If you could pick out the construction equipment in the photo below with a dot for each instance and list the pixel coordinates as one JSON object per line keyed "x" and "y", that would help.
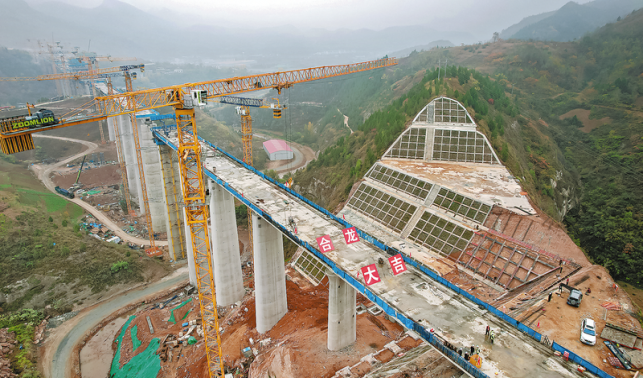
{"x": 75, "y": 185}
{"x": 243, "y": 109}
{"x": 184, "y": 98}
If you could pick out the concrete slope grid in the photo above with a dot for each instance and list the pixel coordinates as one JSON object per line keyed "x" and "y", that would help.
{"x": 43, "y": 175}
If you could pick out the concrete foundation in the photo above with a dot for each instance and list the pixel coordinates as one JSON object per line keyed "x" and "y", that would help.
{"x": 153, "y": 178}
{"x": 226, "y": 259}
{"x": 173, "y": 198}
{"x": 342, "y": 321}
{"x": 270, "y": 274}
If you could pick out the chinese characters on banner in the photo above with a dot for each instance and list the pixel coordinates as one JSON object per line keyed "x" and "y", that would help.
{"x": 325, "y": 244}
{"x": 370, "y": 274}
{"x": 350, "y": 235}
{"x": 397, "y": 264}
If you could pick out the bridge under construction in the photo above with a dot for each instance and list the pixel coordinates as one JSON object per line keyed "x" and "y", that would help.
{"x": 189, "y": 187}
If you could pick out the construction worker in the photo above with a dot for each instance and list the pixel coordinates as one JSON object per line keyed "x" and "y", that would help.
{"x": 549, "y": 300}
{"x": 491, "y": 336}
{"x": 478, "y": 350}
{"x": 473, "y": 350}
{"x": 486, "y": 333}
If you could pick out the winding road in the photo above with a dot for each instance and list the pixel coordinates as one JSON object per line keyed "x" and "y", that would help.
{"x": 44, "y": 172}
{"x": 59, "y": 345}
{"x": 61, "y": 342}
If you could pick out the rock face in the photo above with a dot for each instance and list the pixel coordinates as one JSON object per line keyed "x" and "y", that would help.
{"x": 7, "y": 343}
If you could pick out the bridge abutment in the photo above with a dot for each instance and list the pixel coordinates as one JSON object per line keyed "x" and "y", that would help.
{"x": 226, "y": 259}
{"x": 342, "y": 313}
{"x": 270, "y": 274}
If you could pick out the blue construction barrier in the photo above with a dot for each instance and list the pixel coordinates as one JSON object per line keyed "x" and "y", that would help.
{"x": 408, "y": 323}
{"x": 580, "y": 361}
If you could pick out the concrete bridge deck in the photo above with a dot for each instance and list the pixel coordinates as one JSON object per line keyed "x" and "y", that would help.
{"x": 412, "y": 293}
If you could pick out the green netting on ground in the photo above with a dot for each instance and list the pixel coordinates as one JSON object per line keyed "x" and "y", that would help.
{"x": 172, "y": 319}
{"x": 92, "y": 192}
{"x": 135, "y": 341}
{"x": 146, "y": 364}
{"x": 186, "y": 314}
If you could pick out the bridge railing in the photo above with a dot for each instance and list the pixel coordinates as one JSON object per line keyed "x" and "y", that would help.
{"x": 391, "y": 311}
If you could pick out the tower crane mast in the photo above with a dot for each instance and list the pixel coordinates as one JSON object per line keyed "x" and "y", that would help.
{"x": 184, "y": 98}
{"x": 243, "y": 109}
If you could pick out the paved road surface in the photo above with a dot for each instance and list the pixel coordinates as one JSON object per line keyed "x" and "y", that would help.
{"x": 44, "y": 173}
{"x": 75, "y": 329}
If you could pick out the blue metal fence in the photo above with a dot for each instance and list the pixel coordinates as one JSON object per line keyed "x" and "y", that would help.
{"x": 391, "y": 311}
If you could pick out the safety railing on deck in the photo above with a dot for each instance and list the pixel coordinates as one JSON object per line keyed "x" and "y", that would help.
{"x": 391, "y": 311}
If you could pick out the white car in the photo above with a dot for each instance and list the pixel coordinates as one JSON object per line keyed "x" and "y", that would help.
{"x": 588, "y": 332}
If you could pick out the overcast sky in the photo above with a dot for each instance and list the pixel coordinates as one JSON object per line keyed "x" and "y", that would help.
{"x": 480, "y": 18}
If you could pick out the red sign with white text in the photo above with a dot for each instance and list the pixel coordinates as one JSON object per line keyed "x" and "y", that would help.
{"x": 350, "y": 235}
{"x": 397, "y": 264}
{"x": 325, "y": 244}
{"x": 370, "y": 274}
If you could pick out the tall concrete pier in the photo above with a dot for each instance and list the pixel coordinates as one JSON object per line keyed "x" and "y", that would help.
{"x": 153, "y": 178}
{"x": 173, "y": 198}
{"x": 226, "y": 259}
{"x": 270, "y": 274}
{"x": 131, "y": 164}
{"x": 342, "y": 321}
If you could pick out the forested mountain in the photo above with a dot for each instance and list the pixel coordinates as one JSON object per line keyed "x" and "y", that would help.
{"x": 566, "y": 119}
{"x": 572, "y": 21}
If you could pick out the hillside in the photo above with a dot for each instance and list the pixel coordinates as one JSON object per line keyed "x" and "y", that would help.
{"x": 46, "y": 257}
{"x": 571, "y": 21}
{"x": 587, "y": 175}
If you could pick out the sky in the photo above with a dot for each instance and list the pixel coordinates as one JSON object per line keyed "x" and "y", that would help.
{"x": 480, "y": 18}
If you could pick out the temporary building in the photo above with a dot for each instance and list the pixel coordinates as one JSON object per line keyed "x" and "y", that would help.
{"x": 278, "y": 149}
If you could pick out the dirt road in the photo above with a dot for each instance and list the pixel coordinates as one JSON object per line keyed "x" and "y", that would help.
{"x": 345, "y": 120}
{"x": 43, "y": 172}
{"x": 59, "y": 345}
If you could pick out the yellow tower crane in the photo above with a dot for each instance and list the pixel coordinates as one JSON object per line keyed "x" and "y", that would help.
{"x": 106, "y": 73}
{"x": 243, "y": 109}
{"x": 90, "y": 61}
{"x": 15, "y": 136}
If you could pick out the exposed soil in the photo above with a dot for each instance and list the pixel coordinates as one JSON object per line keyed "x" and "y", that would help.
{"x": 294, "y": 347}
{"x": 540, "y": 231}
{"x": 95, "y": 176}
{"x": 583, "y": 116}
{"x": 561, "y": 322}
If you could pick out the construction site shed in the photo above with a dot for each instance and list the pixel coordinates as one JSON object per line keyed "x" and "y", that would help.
{"x": 278, "y": 149}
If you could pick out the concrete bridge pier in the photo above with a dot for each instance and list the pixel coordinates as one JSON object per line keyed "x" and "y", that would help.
{"x": 131, "y": 164}
{"x": 189, "y": 251}
{"x": 342, "y": 312}
{"x": 226, "y": 259}
{"x": 153, "y": 177}
{"x": 110, "y": 129}
{"x": 173, "y": 199}
{"x": 270, "y": 274}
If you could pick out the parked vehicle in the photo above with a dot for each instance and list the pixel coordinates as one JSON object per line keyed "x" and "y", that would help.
{"x": 588, "y": 332}
{"x": 64, "y": 192}
{"x": 575, "y": 297}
